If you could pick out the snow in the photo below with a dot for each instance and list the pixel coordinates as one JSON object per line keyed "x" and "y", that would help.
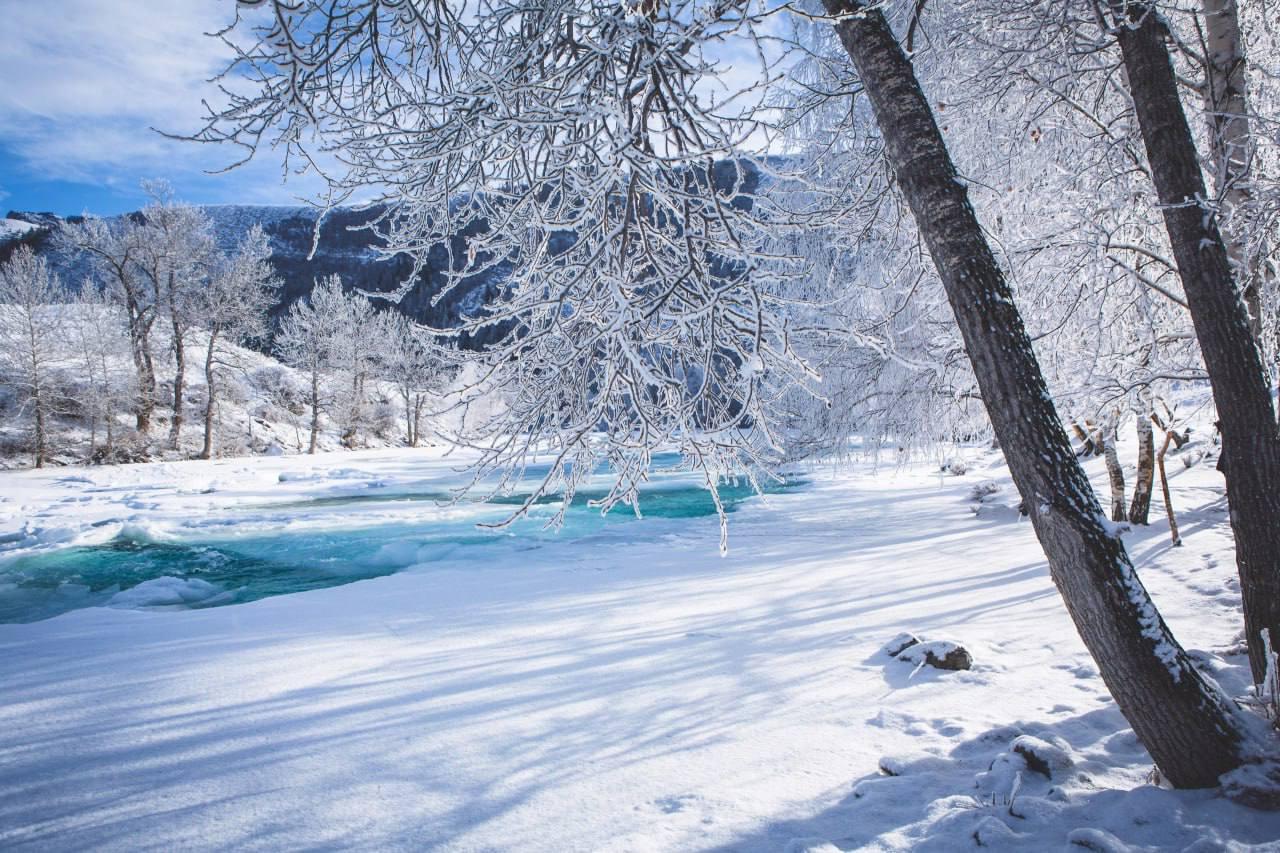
{"x": 12, "y": 229}
{"x": 630, "y": 691}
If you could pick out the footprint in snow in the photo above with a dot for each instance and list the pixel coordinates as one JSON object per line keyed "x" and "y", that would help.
{"x": 676, "y": 803}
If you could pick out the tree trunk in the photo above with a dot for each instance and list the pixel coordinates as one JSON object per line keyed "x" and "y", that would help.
{"x": 1250, "y": 439}
{"x": 315, "y": 409}
{"x": 1116, "y": 474}
{"x": 38, "y": 402}
{"x": 1227, "y": 105}
{"x": 206, "y": 452}
{"x": 1191, "y": 730}
{"x": 408, "y": 418}
{"x": 37, "y": 385}
{"x": 179, "y": 381}
{"x": 1164, "y": 490}
{"x": 140, "y": 349}
{"x": 418, "y": 403}
{"x": 1140, "y": 509}
{"x": 1086, "y": 443}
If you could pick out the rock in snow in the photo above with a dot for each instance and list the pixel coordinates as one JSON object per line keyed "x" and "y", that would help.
{"x": 899, "y": 644}
{"x": 939, "y": 654}
{"x": 1041, "y": 756}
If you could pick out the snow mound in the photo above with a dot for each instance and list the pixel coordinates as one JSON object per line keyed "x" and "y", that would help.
{"x": 171, "y": 592}
{"x": 1042, "y": 756}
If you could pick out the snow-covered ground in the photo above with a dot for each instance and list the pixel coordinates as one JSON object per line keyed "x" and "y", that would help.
{"x": 628, "y": 690}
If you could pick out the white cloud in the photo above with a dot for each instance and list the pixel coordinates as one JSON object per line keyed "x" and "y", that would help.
{"x": 86, "y": 80}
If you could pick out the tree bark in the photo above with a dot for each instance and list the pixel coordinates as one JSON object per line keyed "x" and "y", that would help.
{"x": 206, "y": 452}
{"x": 37, "y": 384}
{"x": 1140, "y": 509}
{"x": 1250, "y": 439}
{"x": 1227, "y": 105}
{"x": 140, "y": 348}
{"x": 179, "y": 381}
{"x": 1164, "y": 490}
{"x": 315, "y": 410}
{"x": 1116, "y": 474}
{"x": 1192, "y": 731}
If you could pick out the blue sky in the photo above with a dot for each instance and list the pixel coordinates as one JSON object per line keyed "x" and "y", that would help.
{"x": 82, "y": 82}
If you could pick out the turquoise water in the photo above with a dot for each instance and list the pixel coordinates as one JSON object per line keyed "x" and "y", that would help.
{"x": 218, "y": 567}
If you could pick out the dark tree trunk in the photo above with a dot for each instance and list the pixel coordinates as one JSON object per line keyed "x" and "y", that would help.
{"x": 1164, "y": 491}
{"x": 38, "y": 402}
{"x": 1140, "y": 509}
{"x": 206, "y": 452}
{"x": 1191, "y": 730}
{"x": 409, "y": 436}
{"x": 315, "y": 410}
{"x": 140, "y": 348}
{"x": 1250, "y": 439}
{"x": 179, "y": 382}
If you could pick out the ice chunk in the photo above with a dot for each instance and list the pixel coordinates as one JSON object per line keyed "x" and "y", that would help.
{"x": 171, "y": 592}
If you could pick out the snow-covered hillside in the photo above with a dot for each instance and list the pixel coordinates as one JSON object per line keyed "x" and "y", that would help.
{"x": 12, "y": 229}
{"x": 627, "y": 691}
{"x": 261, "y": 410}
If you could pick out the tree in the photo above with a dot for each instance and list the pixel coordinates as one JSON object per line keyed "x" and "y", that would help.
{"x": 30, "y": 339}
{"x": 1250, "y": 437}
{"x": 308, "y": 341}
{"x": 358, "y": 337}
{"x": 100, "y": 344}
{"x": 175, "y": 249}
{"x": 642, "y": 284}
{"x": 1190, "y": 729}
{"x": 410, "y": 362}
{"x": 115, "y": 248}
{"x": 1140, "y": 509}
{"x": 1230, "y": 138}
{"x": 232, "y": 308}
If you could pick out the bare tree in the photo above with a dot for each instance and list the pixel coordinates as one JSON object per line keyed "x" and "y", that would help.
{"x": 1191, "y": 730}
{"x": 307, "y": 341}
{"x": 101, "y": 343}
{"x": 1250, "y": 438}
{"x": 232, "y": 309}
{"x": 410, "y": 361}
{"x": 176, "y": 250}
{"x": 30, "y": 339}
{"x": 359, "y": 337}
{"x": 115, "y": 248}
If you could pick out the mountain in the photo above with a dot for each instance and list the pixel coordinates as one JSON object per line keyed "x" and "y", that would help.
{"x": 349, "y": 250}
{"x": 343, "y": 248}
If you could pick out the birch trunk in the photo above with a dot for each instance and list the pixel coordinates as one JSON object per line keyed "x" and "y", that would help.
{"x": 1227, "y": 105}
{"x": 1140, "y": 509}
{"x": 1116, "y": 474}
